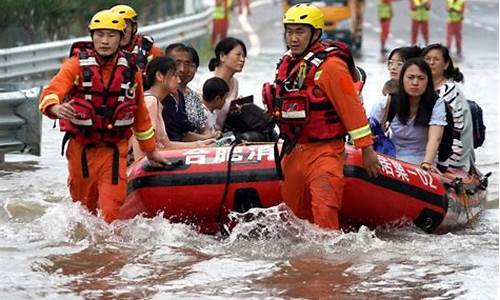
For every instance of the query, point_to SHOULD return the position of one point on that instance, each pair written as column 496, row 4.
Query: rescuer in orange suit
column 142, row 46
column 315, row 104
column 98, row 97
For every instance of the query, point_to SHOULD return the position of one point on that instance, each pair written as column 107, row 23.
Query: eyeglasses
column 395, row 63
column 185, row 64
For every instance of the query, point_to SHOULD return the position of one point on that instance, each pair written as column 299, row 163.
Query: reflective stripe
column 144, row 135
column 317, row 75
column 51, row 98
column 126, row 122
column 316, row 61
column 86, row 122
column 294, row 114
column 360, row 132
column 122, row 61
column 91, row 61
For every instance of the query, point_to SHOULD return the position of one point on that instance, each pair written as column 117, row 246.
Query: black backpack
column 478, row 128
column 251, row 123
column 445, row 149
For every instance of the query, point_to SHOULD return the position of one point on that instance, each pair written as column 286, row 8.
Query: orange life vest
column 141, row 48
column 103, row 114
column 303, row 112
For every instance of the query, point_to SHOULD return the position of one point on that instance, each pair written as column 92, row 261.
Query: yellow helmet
column 305, row 13
column 127, row 12
column 106, row 19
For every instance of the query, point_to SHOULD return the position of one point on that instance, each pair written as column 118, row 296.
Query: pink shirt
column 154, row 108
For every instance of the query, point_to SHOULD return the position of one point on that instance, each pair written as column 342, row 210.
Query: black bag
column 251, row 123
column 478, row 128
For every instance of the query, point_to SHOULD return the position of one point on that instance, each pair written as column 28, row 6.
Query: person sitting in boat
column 395, row 61
column 419, row 116
column 195, row 110
column 320, row 76
column 215, row 91
column 177, row 123
column 378, row 123
column 162, row 80
column 445, row 77
column 230, row 56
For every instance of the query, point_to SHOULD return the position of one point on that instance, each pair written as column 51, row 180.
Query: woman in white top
column 230, row 56
column 445, row 76
column 162, row 80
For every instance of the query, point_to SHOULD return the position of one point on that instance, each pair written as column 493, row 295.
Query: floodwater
column 51, row 248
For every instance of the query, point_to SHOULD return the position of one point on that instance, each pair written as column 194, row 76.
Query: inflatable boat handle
column 175, row 164
column 483, row 181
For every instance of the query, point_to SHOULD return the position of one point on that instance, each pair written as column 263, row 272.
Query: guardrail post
column 20, row 122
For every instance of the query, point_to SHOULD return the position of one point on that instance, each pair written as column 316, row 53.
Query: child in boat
column 215, row 92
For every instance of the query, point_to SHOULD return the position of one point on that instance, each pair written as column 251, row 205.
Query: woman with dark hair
column 419, row 119
column 445, row 77
column 395, row 61
column 230, row 56
column 162, row 79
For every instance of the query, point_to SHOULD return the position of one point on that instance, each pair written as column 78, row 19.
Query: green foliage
column 34, row 21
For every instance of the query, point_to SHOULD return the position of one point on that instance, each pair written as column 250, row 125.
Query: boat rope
column 223, row 230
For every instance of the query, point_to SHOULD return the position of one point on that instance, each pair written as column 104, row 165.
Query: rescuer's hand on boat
column 370, row 161
column 156, row 159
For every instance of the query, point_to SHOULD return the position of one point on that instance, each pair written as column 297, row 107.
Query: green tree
column 49, row 20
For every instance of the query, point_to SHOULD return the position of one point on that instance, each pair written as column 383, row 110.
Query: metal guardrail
column 20, row 122
column 38, row 58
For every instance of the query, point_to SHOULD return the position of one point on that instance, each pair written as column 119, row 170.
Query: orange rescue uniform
column 97, row 190
column 314, row 180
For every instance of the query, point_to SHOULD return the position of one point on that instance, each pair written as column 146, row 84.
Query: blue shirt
column 411, row 140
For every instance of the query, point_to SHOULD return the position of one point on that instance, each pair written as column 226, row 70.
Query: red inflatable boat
column 202, row 187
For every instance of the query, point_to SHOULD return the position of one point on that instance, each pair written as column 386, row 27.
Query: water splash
column 276, row 233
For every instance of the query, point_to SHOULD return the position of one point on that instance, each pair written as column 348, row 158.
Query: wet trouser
column 97, row 190
column 454, row 29
column 385, row 25
column 314, row 182
column 424, row 27
column 220, row 27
